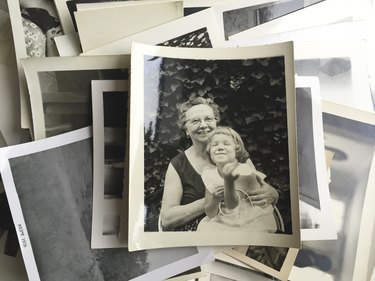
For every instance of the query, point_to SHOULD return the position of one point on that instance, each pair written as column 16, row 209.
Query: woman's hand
column 265, row 195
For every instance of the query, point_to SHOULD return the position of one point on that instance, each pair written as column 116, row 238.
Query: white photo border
column 64, row 15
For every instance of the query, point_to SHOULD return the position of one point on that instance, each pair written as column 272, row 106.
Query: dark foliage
column 251, row 97
column 195, row 39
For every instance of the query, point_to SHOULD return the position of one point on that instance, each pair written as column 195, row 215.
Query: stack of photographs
column 187, row 140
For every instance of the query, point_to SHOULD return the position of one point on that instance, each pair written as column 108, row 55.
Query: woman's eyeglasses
column 198, row 121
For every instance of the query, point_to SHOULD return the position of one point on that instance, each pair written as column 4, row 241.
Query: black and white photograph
column 341, row 68
column 219, row 271
column 110, row 112
column 34, row 24
column 365, row 258
column 315, row 212
column 258, row 14
column 196, row 30
column 189, row 105
column 339, row 64
column 352, row 144
column 316, row 218
column 299, row 19
column 274, row 261
column 60, row 90
column 59, row 245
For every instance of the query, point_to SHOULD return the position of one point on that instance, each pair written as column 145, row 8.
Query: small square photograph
column 60, row 90
column 192, row 185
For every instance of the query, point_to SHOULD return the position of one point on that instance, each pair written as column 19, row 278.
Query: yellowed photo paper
column 102, row 26
column 182, row 98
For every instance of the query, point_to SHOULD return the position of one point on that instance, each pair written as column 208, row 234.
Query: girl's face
column 222, row 149
column 200, row 121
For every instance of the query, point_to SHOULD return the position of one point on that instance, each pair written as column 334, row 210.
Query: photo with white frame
column 70, row 97
column 350, row 135
column 143, row 235
column 315, row 209
column 36, row 42
column 109, row 103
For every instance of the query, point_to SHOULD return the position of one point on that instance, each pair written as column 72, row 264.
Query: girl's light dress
column 245, row 217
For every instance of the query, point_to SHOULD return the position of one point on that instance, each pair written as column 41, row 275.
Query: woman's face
column 200, row 121
column 222, row 149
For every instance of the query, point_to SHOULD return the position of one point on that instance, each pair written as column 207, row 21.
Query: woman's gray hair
column 185, row 106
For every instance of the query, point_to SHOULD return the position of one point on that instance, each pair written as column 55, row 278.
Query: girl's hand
column 218, row 193
column 228, row 172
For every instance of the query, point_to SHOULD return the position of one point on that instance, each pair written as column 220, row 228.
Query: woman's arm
column 265, row 195
column 172, row 212
column 212, row 201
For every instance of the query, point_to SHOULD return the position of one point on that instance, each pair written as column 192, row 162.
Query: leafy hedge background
column 251, row 96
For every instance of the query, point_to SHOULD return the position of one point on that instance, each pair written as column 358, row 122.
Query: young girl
column 228, row 184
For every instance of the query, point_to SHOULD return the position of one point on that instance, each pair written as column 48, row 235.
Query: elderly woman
column 183, row 198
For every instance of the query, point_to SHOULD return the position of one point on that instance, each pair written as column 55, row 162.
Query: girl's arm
column 172, row 212
column 230, row 196
column 212, row 201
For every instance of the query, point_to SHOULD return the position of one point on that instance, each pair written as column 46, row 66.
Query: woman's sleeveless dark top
column 193, row 188
column 192, row 183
